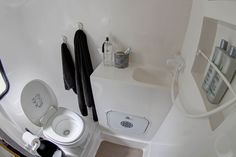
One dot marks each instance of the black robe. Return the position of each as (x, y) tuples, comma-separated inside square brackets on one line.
[(83, 70)]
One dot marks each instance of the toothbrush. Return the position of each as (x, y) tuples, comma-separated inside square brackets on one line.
[(128, 51)]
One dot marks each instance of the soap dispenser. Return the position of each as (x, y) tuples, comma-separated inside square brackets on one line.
[(217, 60), (107, 52)]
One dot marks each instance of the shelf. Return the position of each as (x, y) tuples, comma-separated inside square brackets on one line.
[(212, 32), (216, 119)]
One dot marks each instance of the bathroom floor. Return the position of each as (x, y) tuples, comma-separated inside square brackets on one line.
[(108, 149)]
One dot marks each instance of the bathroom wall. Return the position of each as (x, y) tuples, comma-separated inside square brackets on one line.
[(154, 29), (30, 44), (30, 48), (219, 10), (14, 52)]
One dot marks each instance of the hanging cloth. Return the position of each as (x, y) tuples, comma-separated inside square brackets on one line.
[(68, 68), (83, 70)]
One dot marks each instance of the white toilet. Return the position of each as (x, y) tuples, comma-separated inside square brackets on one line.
[(59, 125)]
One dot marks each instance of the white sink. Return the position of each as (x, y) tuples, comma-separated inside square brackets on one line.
[(151, 76)]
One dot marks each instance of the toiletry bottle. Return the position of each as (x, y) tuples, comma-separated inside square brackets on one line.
[(216, 59), (218, 87), (108, 53)]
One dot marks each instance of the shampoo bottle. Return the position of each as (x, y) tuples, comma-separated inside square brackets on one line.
[(218, 87), (216, 59)]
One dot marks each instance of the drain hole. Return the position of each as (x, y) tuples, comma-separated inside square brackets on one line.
[(66, 132)]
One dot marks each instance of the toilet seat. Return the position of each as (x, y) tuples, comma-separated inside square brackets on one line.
[(57, 127), (59, 124)]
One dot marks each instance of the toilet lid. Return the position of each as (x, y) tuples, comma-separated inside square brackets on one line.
[(36, 99)]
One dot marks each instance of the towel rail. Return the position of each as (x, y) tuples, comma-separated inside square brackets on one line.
[(179, 69)]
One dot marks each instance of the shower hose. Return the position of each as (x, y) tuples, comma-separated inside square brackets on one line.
[(180, 105)]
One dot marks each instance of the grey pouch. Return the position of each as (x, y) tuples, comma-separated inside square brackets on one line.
[(121, 60)]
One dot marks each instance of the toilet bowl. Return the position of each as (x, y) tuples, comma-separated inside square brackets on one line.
[(65, 128), (60, 125)]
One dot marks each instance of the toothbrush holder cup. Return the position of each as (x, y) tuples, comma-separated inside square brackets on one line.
[(121, 59)]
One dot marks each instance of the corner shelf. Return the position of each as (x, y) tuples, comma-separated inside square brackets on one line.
[(212, 32)]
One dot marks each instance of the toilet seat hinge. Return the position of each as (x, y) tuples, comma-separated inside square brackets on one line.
[(51, 111)]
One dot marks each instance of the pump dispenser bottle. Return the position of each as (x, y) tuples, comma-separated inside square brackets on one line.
[(108, 53), (218, 87), (216, 59)]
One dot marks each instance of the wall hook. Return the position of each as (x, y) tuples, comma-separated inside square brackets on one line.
[(80, 25), (64, 39)]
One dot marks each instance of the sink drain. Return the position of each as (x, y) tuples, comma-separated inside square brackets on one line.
[(66, 132)]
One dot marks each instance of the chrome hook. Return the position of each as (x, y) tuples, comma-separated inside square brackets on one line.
[(64, 39), (80, 25)]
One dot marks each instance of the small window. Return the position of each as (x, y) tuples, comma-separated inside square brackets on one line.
[(4, 83)]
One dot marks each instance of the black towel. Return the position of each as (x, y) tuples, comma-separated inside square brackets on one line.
[(83, 70), (68, 68)]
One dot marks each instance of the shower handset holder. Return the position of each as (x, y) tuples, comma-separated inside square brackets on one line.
[(177, 62)]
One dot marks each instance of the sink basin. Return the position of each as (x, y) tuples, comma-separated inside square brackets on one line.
[(151, 76)]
